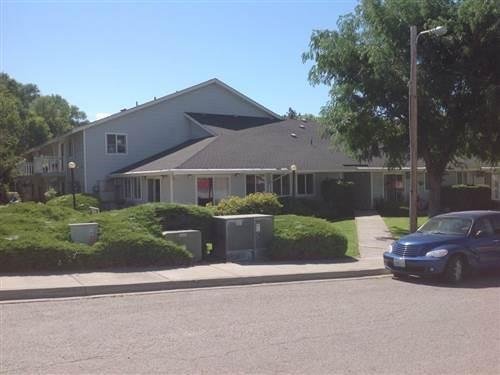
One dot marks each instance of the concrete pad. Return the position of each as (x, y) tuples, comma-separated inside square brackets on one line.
[(117, 278), (37, 282)]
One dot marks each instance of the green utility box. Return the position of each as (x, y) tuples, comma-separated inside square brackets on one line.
[(191, 239), (243, 237)]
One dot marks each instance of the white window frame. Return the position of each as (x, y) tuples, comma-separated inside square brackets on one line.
[(305, 184), (116, 135), (212, 177), (255, 183), (280, 177), (130, 190)]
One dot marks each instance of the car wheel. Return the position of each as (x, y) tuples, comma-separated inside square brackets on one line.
[(455, 269)]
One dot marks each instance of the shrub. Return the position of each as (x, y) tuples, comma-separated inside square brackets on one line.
[(26, 253), (339, 196), (125, 249), (391, 208), (306, 238), (158, 217), (50, 194), (256, 203), (466, 197), (83, 201), (306, 207), (36, 237)]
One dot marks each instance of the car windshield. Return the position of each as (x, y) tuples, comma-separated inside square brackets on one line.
[(447, 225)]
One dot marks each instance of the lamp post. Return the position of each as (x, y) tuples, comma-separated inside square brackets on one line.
[(72, 166), (440, 30), (293, 168)]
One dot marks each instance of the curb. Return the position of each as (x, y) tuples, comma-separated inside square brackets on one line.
[(82, 291)]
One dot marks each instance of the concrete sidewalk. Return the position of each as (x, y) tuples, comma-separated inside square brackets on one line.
[(15, 287), (373, 235)]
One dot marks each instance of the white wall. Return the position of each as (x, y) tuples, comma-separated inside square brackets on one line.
[(157, 128)]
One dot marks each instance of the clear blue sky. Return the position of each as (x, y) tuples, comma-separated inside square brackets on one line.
[(104, 55)]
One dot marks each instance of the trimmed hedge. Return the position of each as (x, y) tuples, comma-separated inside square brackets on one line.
[(466, 197), (256, 203), (391, 208), (83, 201), (306, 238), (36, 237), (306, 207), (339, 196)]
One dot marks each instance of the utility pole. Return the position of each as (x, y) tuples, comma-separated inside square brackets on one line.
[(439, 31), (413, 129)]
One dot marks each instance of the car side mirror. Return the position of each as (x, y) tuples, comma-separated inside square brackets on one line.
[(479, 234)]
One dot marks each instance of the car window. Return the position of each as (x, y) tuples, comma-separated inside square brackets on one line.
[(446, 225), (495, 220), (485, 226)]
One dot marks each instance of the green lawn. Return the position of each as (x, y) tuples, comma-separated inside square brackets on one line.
[(348, 229), (399, 225)]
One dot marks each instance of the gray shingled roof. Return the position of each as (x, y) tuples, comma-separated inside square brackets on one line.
[(252, 142)]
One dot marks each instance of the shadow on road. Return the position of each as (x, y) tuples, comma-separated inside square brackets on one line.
[(490, 279)]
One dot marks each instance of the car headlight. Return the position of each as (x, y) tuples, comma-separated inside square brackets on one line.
[(439, 253), (389, 249)]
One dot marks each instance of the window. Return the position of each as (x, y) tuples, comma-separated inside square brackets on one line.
[(496, 224), (462, 178), (212, 189), (281, 184), (393, 188), (116, 143), (132, 188), (255, 183), (305, 184), (484, 225), (154, 190)]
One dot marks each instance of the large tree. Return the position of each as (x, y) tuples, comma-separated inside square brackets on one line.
[(28, 119), (366, 63)]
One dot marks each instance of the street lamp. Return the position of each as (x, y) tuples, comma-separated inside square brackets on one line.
[(439, 31), (72, 166)]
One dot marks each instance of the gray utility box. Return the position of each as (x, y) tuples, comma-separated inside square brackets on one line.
[(242, 237), (189, 238), (84, 232)]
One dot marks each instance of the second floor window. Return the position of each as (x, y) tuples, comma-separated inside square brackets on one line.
[(116, 143)]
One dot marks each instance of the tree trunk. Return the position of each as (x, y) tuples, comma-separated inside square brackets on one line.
[(435, 177)]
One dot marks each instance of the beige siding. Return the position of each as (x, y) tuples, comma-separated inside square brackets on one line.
[(185, 189), (157, 128)]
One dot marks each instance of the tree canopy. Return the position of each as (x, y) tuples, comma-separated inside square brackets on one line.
[(28, 119), (367, 63)]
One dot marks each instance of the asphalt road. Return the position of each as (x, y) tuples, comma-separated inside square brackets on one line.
[(373, 325)]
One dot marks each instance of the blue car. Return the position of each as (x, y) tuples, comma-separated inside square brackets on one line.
[(448, 245)]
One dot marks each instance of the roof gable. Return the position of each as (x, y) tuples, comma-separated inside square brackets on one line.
[(163, 99)]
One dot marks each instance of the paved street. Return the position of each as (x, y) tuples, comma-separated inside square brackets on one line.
[(371, 325)]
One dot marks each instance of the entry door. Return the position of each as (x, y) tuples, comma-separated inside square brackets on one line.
[(485, 245), (153, 190), (361, 188)]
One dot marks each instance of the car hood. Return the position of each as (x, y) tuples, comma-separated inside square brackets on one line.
[(428, 241)]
